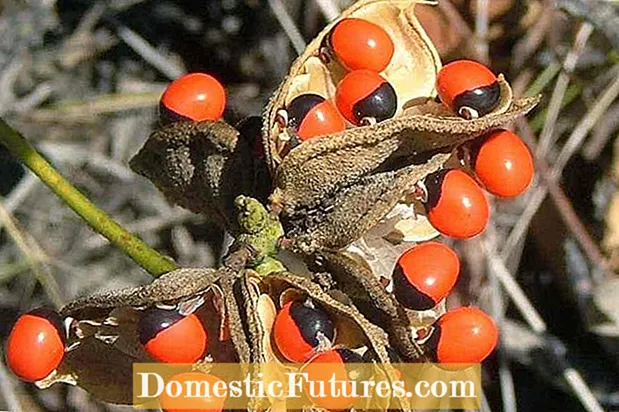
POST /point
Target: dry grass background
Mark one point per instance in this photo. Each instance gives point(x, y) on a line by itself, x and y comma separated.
point(82, 78)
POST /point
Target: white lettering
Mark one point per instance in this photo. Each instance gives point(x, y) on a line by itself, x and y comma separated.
point(145, 386)
point(418, 392)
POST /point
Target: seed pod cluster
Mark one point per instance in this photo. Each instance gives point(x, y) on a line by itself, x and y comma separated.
point(344, 145)
point(227, 316)
point(335, 187)
point(109, 331)
point(302, 323)
point(412, 307)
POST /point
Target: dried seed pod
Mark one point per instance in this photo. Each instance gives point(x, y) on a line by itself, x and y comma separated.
point(411, 71)
point(332, 190)
point(353, 329)
point(203, 166)
point(104, 339)
point(104, 343)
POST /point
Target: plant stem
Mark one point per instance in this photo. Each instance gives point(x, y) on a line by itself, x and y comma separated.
point(149, 259)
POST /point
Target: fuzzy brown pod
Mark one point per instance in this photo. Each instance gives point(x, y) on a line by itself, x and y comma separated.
point(203, 166)
point(103, 340)
point(354, 331)
point(332, 189)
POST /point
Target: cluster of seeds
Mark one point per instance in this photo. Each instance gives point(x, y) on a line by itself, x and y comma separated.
point(453, 199)
point(40, 340)
point(362, 96)
point(501, 163)
point(303, 331)
point(423, 277)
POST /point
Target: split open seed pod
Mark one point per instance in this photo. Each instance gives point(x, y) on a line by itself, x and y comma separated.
point(103, 340)
point(353, 330)
point(332, 189)
point(203, 166)
point(353, 276)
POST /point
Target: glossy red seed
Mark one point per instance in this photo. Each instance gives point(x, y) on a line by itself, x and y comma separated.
point(425, 274)
point(464, 335)
point(310, 115)
point(469, 88)
point(297, 330)
point(504, 164)
point(360, 44)
point(194, 96)
point(456, 206)
point(365, 94)
point(35, 346)
point(172, 338)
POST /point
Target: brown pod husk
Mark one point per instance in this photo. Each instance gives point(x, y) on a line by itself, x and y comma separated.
point(332, 189)
point(353, 276)
point(104, 342)
point(354, 330)
point(202, 166)
point(353, 208)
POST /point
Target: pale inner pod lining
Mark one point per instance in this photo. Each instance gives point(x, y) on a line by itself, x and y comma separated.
point(412, 70)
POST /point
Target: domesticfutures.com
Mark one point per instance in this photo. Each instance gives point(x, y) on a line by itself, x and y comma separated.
point(425, 386)
point(296, 385)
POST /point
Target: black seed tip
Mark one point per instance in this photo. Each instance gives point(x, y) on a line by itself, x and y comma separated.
point(300, 106)
point(483, 100)
point(434, 186)
point(153, 321)
point(407, 294)
point(310, 321)
point(381, 104)
point(167, 116)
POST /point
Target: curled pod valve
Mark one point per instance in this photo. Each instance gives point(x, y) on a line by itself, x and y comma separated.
point(469, 88)
point(36, 345)
point(170, 337)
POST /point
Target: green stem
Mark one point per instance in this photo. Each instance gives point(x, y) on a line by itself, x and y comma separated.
point(152, 261)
